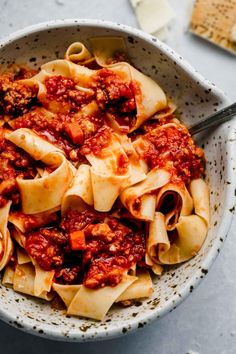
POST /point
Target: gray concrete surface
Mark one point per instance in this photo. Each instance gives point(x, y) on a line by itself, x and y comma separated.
point(206, 322)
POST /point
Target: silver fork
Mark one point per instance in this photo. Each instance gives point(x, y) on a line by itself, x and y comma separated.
point(215, 119)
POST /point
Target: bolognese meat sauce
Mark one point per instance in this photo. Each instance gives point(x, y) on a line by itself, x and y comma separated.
point(87, 247)
point(64, 90)
point(110, 249)
point(172, 147)
point(14, 162)
point(116, 97)
point(15, 97)
point(79, 134)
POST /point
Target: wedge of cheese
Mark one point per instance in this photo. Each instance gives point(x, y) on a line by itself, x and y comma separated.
point(153, 16)
point(215, 21)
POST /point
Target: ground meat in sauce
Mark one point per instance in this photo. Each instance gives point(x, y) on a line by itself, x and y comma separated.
point(57, 131)
point(122, 164)
point(111, 249)
point(14, 162)
point(174, 148)
point(111, 90)
point(112, 245)
point(74, 220)
point(68, 275)
point(47, 247)
point(15, 97)
point(119, 255)
point(113, 97)
point(64, 90)
point(98, 142)
point(116, 97)
point(21, 73)
point(51, 129)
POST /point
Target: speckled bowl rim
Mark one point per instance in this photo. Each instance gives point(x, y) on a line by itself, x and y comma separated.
point(226, 220)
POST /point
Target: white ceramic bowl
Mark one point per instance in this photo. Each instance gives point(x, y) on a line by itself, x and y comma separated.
point(195, 98)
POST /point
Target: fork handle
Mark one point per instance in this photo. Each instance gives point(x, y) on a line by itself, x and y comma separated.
point(215, 119)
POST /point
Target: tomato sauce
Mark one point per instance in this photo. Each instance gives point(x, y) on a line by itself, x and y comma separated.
point(51, 129)
point(14, 162)
point(47, 247)
point(116, 96)
point(172, 147)
point(111, 245)
point(81, 135)
point(122, 164)
point(63, 90)
point(98, 142)
point(111, 249)
point(15, 97)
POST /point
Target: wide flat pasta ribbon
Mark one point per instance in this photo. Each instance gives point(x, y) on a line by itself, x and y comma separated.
point(26, 223)
point(33, 144)
point(136, 169)
point(95, 303)
point(174, 200)
point(150, 98)
point(45, 193)
point(28, 278)
point(192, 231)
point(188, 238)
point(18, 236)
point(200, 194)
point(140, 288)
point(80, 74)
point(157, 235)
point(140, 199)
point(139, 145)
point(24, 282)
point(22, 256)
point(66, 292)
point(106, 189)
point(6, 244)
point(79, 54)
point(80, 193)
point(107, 183)
point(8, 275)
point(43, 280)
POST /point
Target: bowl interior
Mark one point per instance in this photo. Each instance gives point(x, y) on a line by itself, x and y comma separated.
point(195, 98)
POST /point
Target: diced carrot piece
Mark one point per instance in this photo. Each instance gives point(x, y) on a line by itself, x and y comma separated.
point(75, 133)
point(77, 240)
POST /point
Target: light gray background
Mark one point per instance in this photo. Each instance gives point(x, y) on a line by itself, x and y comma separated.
point(206, 322)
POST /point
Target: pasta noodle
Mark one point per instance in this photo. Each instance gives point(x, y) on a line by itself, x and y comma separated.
point(149, 98)
point(80, 193)
point(138, 198)
point(100, 184)
point(78, 53)
point(6, 245)
point(96, 303)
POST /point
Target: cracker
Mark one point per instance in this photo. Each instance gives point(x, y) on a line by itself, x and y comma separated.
point(215, 20)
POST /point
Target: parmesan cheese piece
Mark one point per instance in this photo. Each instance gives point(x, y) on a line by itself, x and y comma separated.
point(233, 34)
point(161, 34)
point(135, 3)
point(214, 20)
point(153, 16)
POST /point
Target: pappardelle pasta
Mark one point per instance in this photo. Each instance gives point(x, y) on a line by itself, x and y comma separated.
point(100, 184)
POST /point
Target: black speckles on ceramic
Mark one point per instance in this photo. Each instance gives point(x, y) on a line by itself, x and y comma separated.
point(195, 98)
